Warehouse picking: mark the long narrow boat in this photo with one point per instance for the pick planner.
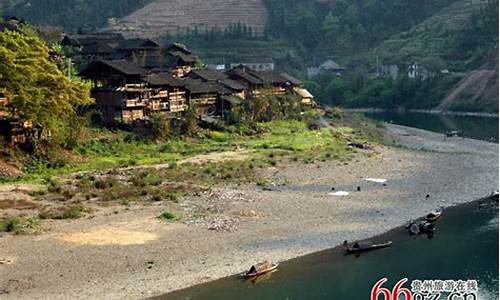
(359, 247)
(434, 216)
(260, 268)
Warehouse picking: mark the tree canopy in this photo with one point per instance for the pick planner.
(38, 90)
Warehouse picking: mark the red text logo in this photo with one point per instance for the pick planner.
(398, 292)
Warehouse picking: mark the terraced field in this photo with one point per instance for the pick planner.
(172, 16)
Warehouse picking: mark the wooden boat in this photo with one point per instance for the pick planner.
(454, 133)
(427, 227)
(260, 268)
(434, 216)
(261, 278)
(417, 228)
(358, 247)
(414, 229)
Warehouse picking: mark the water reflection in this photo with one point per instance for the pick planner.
(484, 128)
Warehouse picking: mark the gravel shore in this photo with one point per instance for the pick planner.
(133, 255)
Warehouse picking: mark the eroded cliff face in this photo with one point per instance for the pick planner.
(176, 16)
(479, 89)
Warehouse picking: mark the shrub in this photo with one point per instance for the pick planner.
(168, 216)
(263, 182)
(71, 212)
(146, 178)
(219, 136)
(10, 225)
(161, 126)
(105, 183)
(20, 225)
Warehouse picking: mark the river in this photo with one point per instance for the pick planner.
(465, 247)
(476, 127)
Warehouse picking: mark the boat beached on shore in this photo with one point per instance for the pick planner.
(260, 269)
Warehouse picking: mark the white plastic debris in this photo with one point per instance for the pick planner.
(377, 180)
(339, 193)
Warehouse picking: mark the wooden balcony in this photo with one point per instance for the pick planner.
(134, 103)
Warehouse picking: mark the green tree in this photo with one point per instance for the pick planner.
(331, 26)
(37, 88)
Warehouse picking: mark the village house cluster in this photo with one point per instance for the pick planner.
(134, 78)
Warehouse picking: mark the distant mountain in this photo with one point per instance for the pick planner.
(462, 37)
(456, 36)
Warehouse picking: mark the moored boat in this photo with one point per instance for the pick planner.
(358, 247)
(260, 268)
(414, 229)
(427, 227)
(434, 216)
(419, 227)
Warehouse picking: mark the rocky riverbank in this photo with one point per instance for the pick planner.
(134, 255)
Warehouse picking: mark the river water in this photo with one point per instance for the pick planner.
(465, 247)
(476, 127)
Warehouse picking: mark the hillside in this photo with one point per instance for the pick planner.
(439, 35)
(455, 35)
(70, 14)
(177, 16)
(479, 89)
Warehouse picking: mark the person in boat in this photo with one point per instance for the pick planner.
(355, 245)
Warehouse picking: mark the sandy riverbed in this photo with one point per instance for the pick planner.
(133, 255)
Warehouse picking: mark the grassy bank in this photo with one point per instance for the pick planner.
(114, 170)
(268, 142)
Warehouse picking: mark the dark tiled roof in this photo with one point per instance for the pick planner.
(260, 77)
(178, 47)
(187, 58)
(132, 44)
(195, 86)
(122, 66)
(291, 79)
(244, 73)
(163, 80)
(268, 77)
(209, 75)
(97, 48)
(220, 77)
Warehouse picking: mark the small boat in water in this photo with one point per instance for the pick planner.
(414, 229)
(260, 268)
(454, 133)
(358, 247)
(417, 228)
(427, 227)
(434, 216)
